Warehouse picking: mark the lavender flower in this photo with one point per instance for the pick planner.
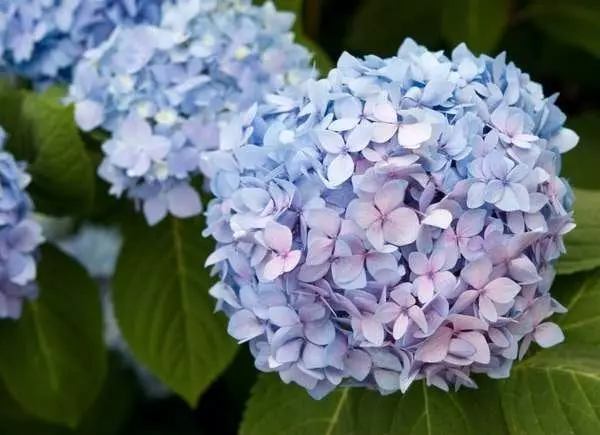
(42, 40)
(395, 221)
(20, 237)
(164, 92)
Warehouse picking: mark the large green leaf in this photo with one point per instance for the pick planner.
(161, 299)
(583, 243)
(479, 23)
(54, 361)
(580, 293)
(395, 20)
(62, 172)
(580, 164)
(576, 22)
(277, 409)
(556, 392)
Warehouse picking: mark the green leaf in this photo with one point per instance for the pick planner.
(395, 20)
(160, 292)
(62, 172)
(55, 360)
(583, 243)
(576, 22)
(479, 23)
(557, 391)
(276, 408)
(579, 164)
(580, 293)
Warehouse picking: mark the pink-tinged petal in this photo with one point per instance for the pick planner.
(416, 314)
(471, 223)
(340, 169)
(274, 268)
(291, 260)
(363, 213)
(385, 112)
(435, 348)
(418, 263)
(482, 348)
(477, 274)
(437, 260)
(283, 316)
(375, 236)
(444, 282)
(400, 326)
(346, 269)
(313, 273)
(401, 227)
(331, 142)
(372, 330)
(183, 201)
(498, 338)
(402, 295)
(465, 299)
(424, 289)
(461, 322)
(523, 271)
(377, 262)
(243, 326)
(387, 312)
(323, 219)
(487, 309)
(382, 132)
(461, 348)
(360, 137)
(548, 334)
(502, 290)
(320, 250)
(411, 136)
(278, 237)
(390, 196)
(438, 218)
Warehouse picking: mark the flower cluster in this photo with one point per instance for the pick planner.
(164, 91)
(396, 221)
(42, 39)
(20, 236)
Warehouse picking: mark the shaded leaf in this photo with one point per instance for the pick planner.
(395, 22)
(576, 22)
(583, 243)
(55, 361)
(276, 408)
(557, 391)
(479, 23)
(160, 293)
(580, 164)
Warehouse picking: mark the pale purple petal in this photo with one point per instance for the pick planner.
(548, 334)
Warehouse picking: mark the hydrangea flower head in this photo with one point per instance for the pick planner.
(164, 91)
(20, 236)
(42, 39)
(395, 221)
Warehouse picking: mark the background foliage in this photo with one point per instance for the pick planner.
(57, 378)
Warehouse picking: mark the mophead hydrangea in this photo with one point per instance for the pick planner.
(20, 236)
(395, 221)
(164, 91)
(41, 40)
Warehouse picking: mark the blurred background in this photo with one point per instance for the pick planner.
(556, 42)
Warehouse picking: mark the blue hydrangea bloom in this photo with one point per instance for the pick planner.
(395, 221)
(42, 39)
(163, 91)
(20, 236)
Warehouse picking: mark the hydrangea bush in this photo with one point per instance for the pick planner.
(20, 236)
(41, 40)
(164, 92)
(395, 221)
